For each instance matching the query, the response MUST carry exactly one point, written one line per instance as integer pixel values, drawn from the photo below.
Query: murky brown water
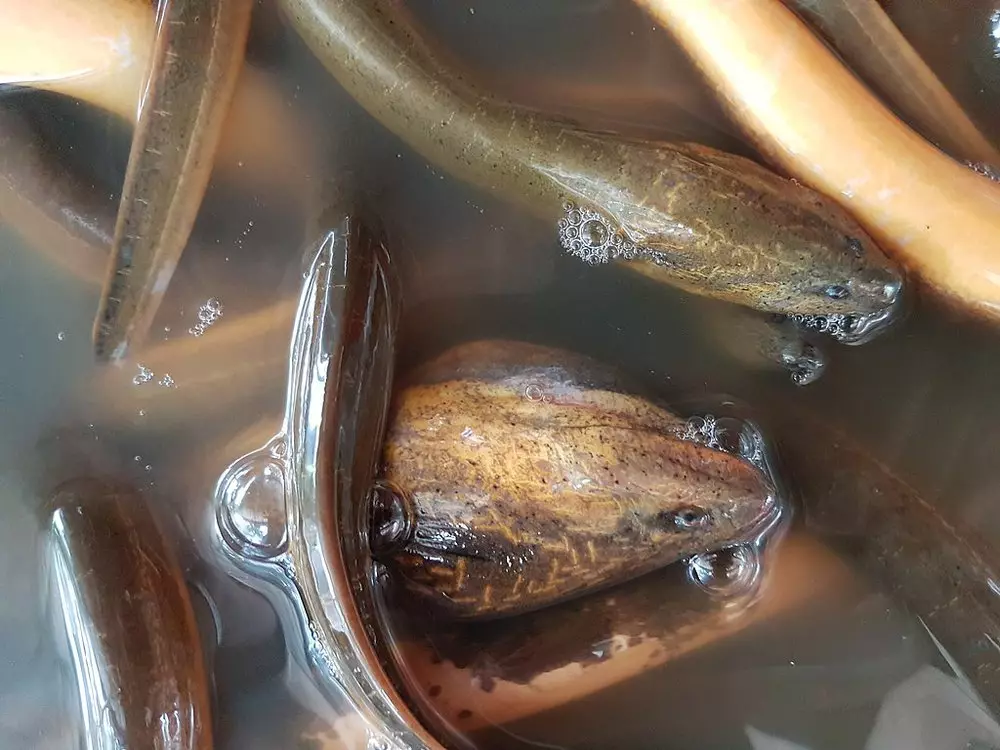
(920, 399)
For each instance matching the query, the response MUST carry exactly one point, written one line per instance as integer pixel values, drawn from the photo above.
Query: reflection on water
(922, 399)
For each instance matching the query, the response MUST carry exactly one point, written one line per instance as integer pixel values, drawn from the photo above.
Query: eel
(945, 574)
(196, 63)
(860, 517)
(706, 221)
(465, 677)
(53, 211)
(128, 623)
(862, 32)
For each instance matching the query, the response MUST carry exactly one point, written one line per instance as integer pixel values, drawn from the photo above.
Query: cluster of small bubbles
(838, 326)
(245, 233)
(592, 238)
(208, 313)
(536, 394)
(145, 376)
(61, 335)
(751, 447)
(734, 571)
(704, 431)
(805, 365)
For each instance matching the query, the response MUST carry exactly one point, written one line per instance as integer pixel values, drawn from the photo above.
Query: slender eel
(706, 221)
(51, 209)
(812, 116)
(129, 627)
(196, 63)
(862, 32)
(474, 676)
(943, 573)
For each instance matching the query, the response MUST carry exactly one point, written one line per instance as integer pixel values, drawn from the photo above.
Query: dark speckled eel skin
(706, 221)
(195, 65)
(125, 622)
(517, 476)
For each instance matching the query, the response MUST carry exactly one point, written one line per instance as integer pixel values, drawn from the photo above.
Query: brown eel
(196, 63)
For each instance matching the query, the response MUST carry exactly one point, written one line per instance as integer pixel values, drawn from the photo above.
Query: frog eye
(837, 291)
(690, 517)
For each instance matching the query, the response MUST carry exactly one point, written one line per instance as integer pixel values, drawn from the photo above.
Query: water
(824, 675)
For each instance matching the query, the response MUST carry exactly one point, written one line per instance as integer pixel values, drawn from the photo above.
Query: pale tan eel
(872, 45)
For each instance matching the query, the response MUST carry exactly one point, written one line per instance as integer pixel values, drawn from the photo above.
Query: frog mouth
(851, 329)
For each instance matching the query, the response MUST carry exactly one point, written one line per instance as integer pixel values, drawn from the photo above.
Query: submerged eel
(197, 59)
(942, 573)
(482, 674)
(130, 629)
(703, 220)
(50, 208)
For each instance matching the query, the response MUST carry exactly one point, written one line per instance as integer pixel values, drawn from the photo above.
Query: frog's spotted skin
(709, 222)
(519, 476)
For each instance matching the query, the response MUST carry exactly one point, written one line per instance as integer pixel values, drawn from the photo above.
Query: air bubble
(533, 392)
(732, 572)
(251, 502)
(145, 376)
(166, 381)
(704, 431)
(61, 335)
(208, 313)
(594, 232)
